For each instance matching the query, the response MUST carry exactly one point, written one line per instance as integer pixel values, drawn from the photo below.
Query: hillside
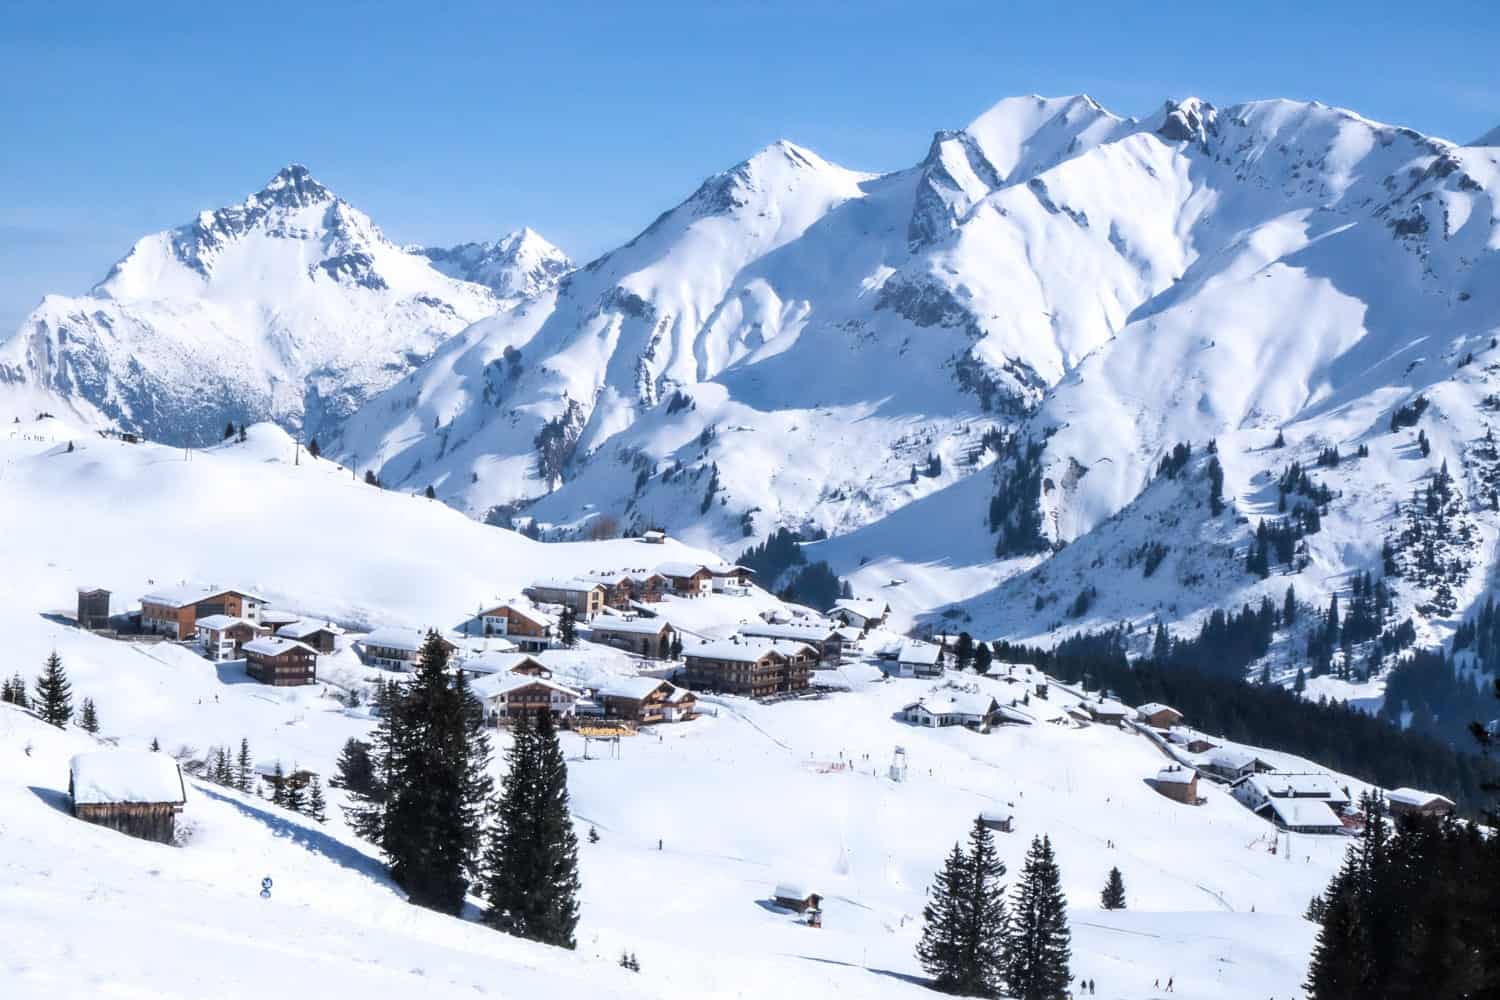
(697, 821)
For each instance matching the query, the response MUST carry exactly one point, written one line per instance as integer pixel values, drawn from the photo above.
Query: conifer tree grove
(964, 920)
(436, 782)
(88, 717)
(1037, 941)
(54, 695)
(1113, 897)
(531, 866)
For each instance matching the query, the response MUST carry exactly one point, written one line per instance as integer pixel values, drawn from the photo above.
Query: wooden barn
(1404, 801)
(792, 896)
(1178, 783)
(133, 791)
(999, 819)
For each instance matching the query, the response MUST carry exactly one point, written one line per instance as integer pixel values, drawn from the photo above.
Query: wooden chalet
(585, 597)
(395, 648)
(1410, 801)
(758, 668)
(528, 627)
(860, 612)
(136, 792)
(646, 700)
(508, 696)
(281, 662)
(648, 637)
(687, 579)
(174, 611)
(1178, 783)
(322, 636)
(488, 664)
(792, 896)
(1158, 716)
(93, 608)
(998, 819)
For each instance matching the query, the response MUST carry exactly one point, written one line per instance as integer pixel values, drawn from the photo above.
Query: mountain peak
(1490, 138)
(293, 186)
(1191, 119)
(518, 265)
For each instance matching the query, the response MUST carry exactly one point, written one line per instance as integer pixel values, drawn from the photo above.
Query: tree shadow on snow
(61, 801)
(309, 839)
(905, 977)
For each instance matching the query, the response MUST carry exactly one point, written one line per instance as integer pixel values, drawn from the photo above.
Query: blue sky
(454, 121)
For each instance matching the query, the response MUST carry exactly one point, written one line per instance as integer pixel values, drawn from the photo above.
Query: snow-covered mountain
(519, 265)
(291, 306)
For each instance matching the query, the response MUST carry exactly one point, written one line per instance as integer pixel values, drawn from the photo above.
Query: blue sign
(265, 887)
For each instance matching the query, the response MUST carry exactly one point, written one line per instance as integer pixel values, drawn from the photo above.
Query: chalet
(1234, 763)
(687, 579)
(280, 662)
(93, 608)
(791, 896)
(322, 636)
(274, 620)
(1409, 801)
(529, 628)
(648, 637)
(731, 579)
(174, 611)
(1106, 710)
(654, 537)
(1254, 790)
(585, 597)
(647, 588)
(395, 648)
(624, 589)
(998, 819)
(136, 792)
(223, 637)
(486, 664)
(953, 708)
(508, 696)
(1157, 715)
(861, 612)
(1302, 816)
(1198, 744)
(823, 637)
(749, 666)
(1177, 783)
(645, 700)
(919, 659)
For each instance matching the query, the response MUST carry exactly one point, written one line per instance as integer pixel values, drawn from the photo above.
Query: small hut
(1001, 820)
(791, 896)
(136, 792)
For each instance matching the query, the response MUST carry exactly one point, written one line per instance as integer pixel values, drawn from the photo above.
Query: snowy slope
(292, 306)
(697, 821)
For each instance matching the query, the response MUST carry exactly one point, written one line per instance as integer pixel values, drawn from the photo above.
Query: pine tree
(963, 651)
(429, 492)
(1037, 941)
(532, 861)
(278, 785)
(354, 770)
(965, 920)
(437, 755)
(89, 717)
(5, 693)
(155, 745)
(295, 796)
(983, 658)
(243, 769)
(1215, 484)
(54, 694)
(567, 627)
(242, 437)
(317, 805)
(229, 430)
(313, 449)
(1113, 897)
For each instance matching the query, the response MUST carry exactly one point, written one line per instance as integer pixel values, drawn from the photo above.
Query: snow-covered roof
(1106, 707)
(807, 632)
(1233, 758)
(185, 594)
(218, 623)
(393, 637)
(85, 589)
(653, 534)
(305, 627)
(955, 703)
(270, 616)
(1311, 785)
(1153, 707)
(274, 645)
(1304, 813)
(865, 607)
(498, 685)
(634, 626)
(1415, 798)
(678, 568)
(995, 815)
(747, 649)
(109, 776)
(499, 663)
(524, 609)
(1176, 776)
(571, 584)
(790, 890)
(630, 687)
(919, 653)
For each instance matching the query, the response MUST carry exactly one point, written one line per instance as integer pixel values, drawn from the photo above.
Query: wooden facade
(93, 608)
(586, 599)
(281, 663)
(528, 628)
(663, 703)
(755, 671)
(147, 820)
(651, 638)
(177, 617)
